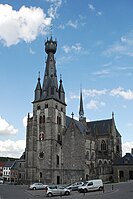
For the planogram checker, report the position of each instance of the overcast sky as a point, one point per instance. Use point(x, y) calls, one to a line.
point(95, 52)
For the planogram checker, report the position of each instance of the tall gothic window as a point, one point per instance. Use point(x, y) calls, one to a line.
point(58, 120)
point(43, 118)
point(40, 119)
point(103, 145)
point(40, 174)
point(52, 91)
point(46, 105)
point(87, 155)
point(57, 159)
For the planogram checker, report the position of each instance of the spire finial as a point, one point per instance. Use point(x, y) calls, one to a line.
point(51, 29)
point(60, 78)
point(72, 115)
point(39, 75)
point(80, 88)
point(81, 109)
point(113, 115)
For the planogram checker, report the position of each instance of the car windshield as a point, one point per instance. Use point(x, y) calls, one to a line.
point(84, 183)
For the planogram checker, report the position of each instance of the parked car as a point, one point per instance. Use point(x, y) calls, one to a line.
point(74, 186)
point(37, 185)
point(91, 185)
point(57, 190)
point(1, 181)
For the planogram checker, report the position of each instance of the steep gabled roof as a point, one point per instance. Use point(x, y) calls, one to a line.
point(9, 163)
point(79, 124)
point(125, 160)
point(15, 165)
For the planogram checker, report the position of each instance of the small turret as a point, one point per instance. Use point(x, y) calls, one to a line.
point(50, 46)
point(38, 89)
point(50, 84)
point(61, 91)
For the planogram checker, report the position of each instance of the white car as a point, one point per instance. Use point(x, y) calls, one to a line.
point(56, 190)
point(37, 185)
point(1, 181)
point(92, 185)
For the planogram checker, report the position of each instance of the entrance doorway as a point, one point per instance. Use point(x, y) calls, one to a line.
point(131, 175)
point(58, 179)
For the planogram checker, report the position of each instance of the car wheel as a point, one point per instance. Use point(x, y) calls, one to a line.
point(100, 188)
point(84, 190)
point(67, 193)
point(49, 194)
point(34, 188)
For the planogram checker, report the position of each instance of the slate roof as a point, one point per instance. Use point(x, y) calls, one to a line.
point(80, 125)
point(101, 127)
point(125, 160)
point(14, 165)
point(22, 156)
point(9, 164)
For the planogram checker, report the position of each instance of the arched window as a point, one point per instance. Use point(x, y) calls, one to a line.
point(57, 159)
point(103, 145)
point(43, 118)
point(100, 168)
point(87, 155)
point(41, 136)
point(40, 174)
point(40, 119)
point(87, 177)
point(38, 107)
point(58, 120)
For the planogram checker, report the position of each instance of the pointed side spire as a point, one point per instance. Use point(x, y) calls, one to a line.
point(81, 109)
point(61, 91)
point(38, 89)
point(112, 115)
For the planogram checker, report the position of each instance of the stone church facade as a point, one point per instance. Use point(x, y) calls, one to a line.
point(60, 149)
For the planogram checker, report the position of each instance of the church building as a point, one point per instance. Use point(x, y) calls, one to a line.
point(60, 149)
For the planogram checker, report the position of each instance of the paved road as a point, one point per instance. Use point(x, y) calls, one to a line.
point(115, 191)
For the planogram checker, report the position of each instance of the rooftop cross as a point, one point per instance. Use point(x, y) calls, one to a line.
point(72, 115)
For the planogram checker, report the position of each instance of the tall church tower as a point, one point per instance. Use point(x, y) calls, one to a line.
point(46, 126)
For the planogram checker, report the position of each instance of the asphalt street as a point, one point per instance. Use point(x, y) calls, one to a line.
point(115, 191)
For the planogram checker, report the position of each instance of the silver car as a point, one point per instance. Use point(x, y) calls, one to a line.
point(74, 186)
point(57, 190)
point(37, 185)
